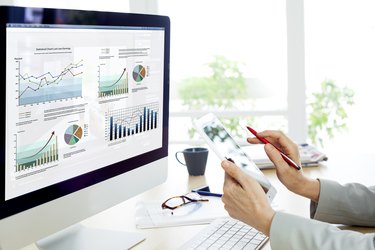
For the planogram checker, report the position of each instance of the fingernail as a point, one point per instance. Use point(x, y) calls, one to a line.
point(226, 163)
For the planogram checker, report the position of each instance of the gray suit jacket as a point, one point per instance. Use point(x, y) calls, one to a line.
point(351, 204)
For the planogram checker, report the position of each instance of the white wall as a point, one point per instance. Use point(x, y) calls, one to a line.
point(107, 5)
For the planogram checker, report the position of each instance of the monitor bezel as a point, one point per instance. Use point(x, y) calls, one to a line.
point(11, 14)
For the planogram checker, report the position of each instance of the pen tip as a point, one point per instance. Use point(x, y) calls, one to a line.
point(251, 130)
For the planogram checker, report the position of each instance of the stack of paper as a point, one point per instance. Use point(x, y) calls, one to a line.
point(309, 155)
point(149, 214)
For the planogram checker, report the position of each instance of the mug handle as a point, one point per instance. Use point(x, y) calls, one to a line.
point(178, 159)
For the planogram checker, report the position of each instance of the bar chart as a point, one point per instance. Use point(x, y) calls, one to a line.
point(37, 154)
point(116, 84)
point(122, 123)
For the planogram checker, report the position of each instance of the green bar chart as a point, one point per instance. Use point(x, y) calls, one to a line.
point(37, 154)
point(113, 84)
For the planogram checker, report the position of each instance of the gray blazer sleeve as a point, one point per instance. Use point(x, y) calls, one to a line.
point(350, 204)
point(294, 232)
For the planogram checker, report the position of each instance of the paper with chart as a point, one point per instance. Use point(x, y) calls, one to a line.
point(149, 214)
point(309, 155)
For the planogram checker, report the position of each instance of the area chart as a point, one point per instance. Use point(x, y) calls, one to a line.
point(49, 86)
point(37, 154)
point(110, 85)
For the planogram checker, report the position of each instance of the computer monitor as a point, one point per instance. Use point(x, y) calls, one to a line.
point(85, 115)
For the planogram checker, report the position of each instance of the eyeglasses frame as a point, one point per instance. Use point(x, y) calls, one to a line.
point(186, 200)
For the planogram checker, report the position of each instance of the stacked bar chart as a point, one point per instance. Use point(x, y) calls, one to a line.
point(37, 154)
point(127, 122)
point(110, 85)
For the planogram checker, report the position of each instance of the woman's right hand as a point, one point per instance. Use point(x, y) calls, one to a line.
point(292, 178)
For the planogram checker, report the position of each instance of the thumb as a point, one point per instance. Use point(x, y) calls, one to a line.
point(235, 172)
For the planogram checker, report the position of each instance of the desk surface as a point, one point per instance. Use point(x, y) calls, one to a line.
point(358, 168)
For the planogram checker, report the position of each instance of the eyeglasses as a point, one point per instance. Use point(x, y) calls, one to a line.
point(179, 201)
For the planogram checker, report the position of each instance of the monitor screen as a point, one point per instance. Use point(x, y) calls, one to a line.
point(86, 99)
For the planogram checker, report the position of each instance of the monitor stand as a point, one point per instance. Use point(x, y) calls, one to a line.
point(82, 238)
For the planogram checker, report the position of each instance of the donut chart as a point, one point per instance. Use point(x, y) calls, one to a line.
point(73, 134)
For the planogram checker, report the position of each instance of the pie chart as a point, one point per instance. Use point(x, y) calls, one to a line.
point(73, 134)
point(139, 72)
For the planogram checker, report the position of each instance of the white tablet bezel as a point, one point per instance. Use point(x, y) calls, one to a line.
point(252, 170)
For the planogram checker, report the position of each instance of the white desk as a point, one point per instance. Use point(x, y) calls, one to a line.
point(359, 168)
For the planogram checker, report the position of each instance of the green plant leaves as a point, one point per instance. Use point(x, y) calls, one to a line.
point(218, 91)
point(327, 111)
point(225, 84)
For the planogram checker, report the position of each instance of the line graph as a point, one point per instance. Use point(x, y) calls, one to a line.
point(38, 153)
point(122, 123)
point(49, 86)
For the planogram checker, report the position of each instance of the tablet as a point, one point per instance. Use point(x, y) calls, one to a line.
point(220, 141)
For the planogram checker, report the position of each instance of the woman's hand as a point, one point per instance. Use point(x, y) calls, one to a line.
point(293, 179)
point(245, 199)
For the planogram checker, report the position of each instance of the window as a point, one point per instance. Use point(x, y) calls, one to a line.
point(108, 5)
point(216, 36)
point(340, 38)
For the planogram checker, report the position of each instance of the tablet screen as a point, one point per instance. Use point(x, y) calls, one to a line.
point(227, 147)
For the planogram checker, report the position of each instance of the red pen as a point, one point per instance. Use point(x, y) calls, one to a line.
point(285, 157)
